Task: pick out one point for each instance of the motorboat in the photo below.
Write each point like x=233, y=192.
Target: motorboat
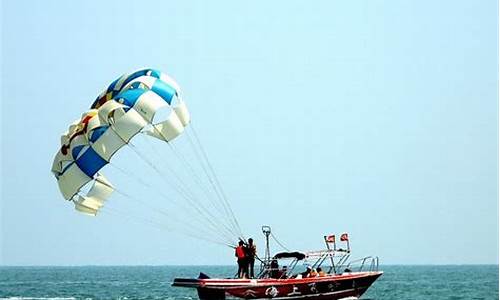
x=335, y=276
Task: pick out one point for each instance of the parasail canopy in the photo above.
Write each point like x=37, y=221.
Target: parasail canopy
x=144, y=103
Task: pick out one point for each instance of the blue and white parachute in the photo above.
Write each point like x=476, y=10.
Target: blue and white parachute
x=127, y=107
x=144, y=103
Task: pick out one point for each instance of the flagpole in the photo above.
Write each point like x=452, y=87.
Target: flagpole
x=330, y=252
x=345, y=238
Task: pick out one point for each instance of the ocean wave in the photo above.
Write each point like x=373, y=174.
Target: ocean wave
x=39, y=298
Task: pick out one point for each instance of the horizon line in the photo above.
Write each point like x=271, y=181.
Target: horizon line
x=231, y=265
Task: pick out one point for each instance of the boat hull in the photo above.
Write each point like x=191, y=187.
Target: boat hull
x=328, y=287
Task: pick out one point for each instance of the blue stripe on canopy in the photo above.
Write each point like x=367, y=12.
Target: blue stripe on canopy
x=144, y=72
x=112, y=85
x=155, y=73
x=130, y=97
x=90, y=162
x=137, y=74
x=164, y=90
x=135, y=85
x=96, y=133
x=152, y=72
x=76, y=151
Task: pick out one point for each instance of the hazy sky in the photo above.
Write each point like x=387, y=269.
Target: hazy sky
x=377, y=118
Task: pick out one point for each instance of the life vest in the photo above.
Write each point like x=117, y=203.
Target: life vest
x=240, y=252
x=313, y=274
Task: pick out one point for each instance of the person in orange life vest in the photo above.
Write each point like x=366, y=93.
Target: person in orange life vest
x=313, y=273
x=242, y=259
x=321, y=273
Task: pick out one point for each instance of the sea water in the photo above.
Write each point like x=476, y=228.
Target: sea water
x=154, y=282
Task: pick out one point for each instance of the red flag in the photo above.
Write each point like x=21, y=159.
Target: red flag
x=330, y=239
x=344, y=237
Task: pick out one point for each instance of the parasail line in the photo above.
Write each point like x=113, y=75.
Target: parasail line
x=224, y=197
x=278, y=242
x=181, y=158
x=177, y=188
x=219, y=190
x=160, y=226
x=182, y=183
x=193, y=173
x=183, y=193
x=160, y=210
x=208, y=225
x=207, y=194
x=216, y=230
x=211, y=181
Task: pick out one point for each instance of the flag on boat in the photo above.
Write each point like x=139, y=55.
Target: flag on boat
x=344, y=237
x=330, y=238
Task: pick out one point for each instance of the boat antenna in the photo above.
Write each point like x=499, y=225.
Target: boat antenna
x=266, y=230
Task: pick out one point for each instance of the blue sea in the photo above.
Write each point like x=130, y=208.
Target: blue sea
x=153, y=282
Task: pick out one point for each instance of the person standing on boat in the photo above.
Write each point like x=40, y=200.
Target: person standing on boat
x=251, y=253
x=241, y=255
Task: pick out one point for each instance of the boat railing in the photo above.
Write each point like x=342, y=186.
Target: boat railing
x=365, y=264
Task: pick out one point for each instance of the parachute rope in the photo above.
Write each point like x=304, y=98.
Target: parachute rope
x=221, y=191
x=173, y=217
x=208, y=196
x=189, y=196
x=199, y=207
x=167, y=214
x=161, y=226
x=203, y=212
x=211, y=180
x=279, y=243
x=188, y=166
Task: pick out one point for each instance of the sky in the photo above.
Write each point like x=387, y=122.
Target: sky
x=376, y=118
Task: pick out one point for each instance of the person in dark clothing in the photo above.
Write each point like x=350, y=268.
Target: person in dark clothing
x=274, y=270
x=307, y=272
x=241, y=255
x=251, y=253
